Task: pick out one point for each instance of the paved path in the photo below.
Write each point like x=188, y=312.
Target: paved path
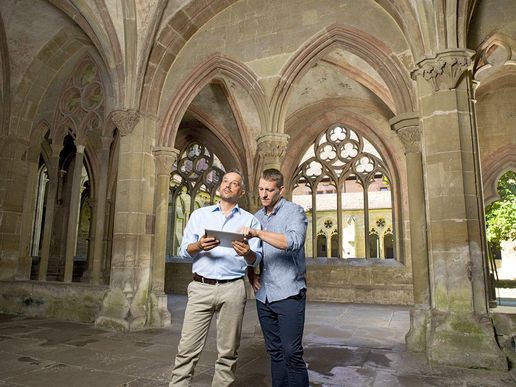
x=345, y=345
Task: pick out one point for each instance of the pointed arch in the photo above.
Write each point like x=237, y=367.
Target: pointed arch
x=368, y=48
x=493, y=168
x=216, y=67
x=170, y=40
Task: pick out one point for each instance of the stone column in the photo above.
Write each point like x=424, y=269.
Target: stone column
x=407, y=128
x=272, y=147
x=30, y=230
x=128, y=304
x=73, y=214
x=53, y=183
x=100, y=213
x=460, y=330
x=165, y=158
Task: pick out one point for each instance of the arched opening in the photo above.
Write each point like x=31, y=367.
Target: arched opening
x=343, y=175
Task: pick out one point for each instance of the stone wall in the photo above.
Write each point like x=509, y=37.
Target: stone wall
x=76, y=302
x=353, y=280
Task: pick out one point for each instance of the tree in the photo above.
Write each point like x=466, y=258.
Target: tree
x=501, y=215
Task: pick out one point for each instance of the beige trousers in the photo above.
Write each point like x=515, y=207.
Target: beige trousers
x=227, y=302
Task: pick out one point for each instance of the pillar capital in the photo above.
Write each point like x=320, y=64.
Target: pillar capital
x=272, y=148
x=165, y=158
x=406, y=126
x=444, y=70
x=125, y=120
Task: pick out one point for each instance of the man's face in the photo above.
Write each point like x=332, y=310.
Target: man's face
x=231, y=187
x=269, y=193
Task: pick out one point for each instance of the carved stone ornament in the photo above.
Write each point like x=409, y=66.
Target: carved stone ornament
x=445, y=69
x=125, y=120
x=165, y=159
x=411, y=138
x=406, y=126
x=272, y=145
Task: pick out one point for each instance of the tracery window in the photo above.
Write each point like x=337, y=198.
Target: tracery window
x=344, y=174
x=194, y=181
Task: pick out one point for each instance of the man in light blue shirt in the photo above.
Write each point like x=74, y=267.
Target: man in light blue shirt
x=281, y=289
x=218, y=286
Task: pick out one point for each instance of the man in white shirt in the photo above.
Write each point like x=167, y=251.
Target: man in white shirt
x=218, y=286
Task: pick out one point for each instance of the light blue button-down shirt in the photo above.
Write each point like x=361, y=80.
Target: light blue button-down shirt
x=221, y=262
x=283, y=271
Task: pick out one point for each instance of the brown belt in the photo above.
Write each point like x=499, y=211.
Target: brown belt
x=211, y=281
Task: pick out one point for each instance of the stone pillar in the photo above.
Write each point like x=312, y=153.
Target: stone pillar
x=165, y=158
x=272, y=147
x=100, y=213
x=53, y=181
x=407, y=128
x=460, y=330
x=128, y=304
x=30, y=230
x=73, y=214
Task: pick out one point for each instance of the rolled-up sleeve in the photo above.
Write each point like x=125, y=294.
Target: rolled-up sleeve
x=296, y=228
x=190, y=235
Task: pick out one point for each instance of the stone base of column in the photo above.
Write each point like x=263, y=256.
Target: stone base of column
x=159, y=316
x=121, y=312
x=416, y=337
x=464, y=340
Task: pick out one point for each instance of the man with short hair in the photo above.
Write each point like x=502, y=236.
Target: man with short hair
x=218, y=286
x=281, y=288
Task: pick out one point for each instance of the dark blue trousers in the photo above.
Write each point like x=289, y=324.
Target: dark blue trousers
x=282, y=325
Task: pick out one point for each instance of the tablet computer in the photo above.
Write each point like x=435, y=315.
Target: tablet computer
x=224, y=237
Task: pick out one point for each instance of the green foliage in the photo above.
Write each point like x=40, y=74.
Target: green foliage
x=501, y=215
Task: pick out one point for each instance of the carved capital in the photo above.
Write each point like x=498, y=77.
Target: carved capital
x=272, y=147
x=406, y=126
x=125, y=120
x=445, y=69
x=165, y=158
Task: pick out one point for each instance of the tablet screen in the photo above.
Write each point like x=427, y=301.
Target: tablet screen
x=224, y=237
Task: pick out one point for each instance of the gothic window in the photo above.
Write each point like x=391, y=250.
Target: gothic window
x=334, y=244
x=194, y=181
x=321, y=245
x=374, y=243
x=388, y=244
x=355, y=180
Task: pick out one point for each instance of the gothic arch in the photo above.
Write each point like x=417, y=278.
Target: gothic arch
x=171, y=39
x=355, y=41
x=106, y=44
x=318, y=116
x=494, y=167
x=216, y=67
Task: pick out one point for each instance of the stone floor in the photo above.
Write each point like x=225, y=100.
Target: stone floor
x=345, y=345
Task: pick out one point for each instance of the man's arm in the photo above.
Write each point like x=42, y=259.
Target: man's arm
x=276, y=239
x=293, y=237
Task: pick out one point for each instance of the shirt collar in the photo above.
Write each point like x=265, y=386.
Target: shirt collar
x=276, y=208
x=216, y=207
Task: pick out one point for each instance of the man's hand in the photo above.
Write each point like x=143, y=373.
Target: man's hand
x=249, y=232
x=243, y=249
x=254, y=279
x=203, y=244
